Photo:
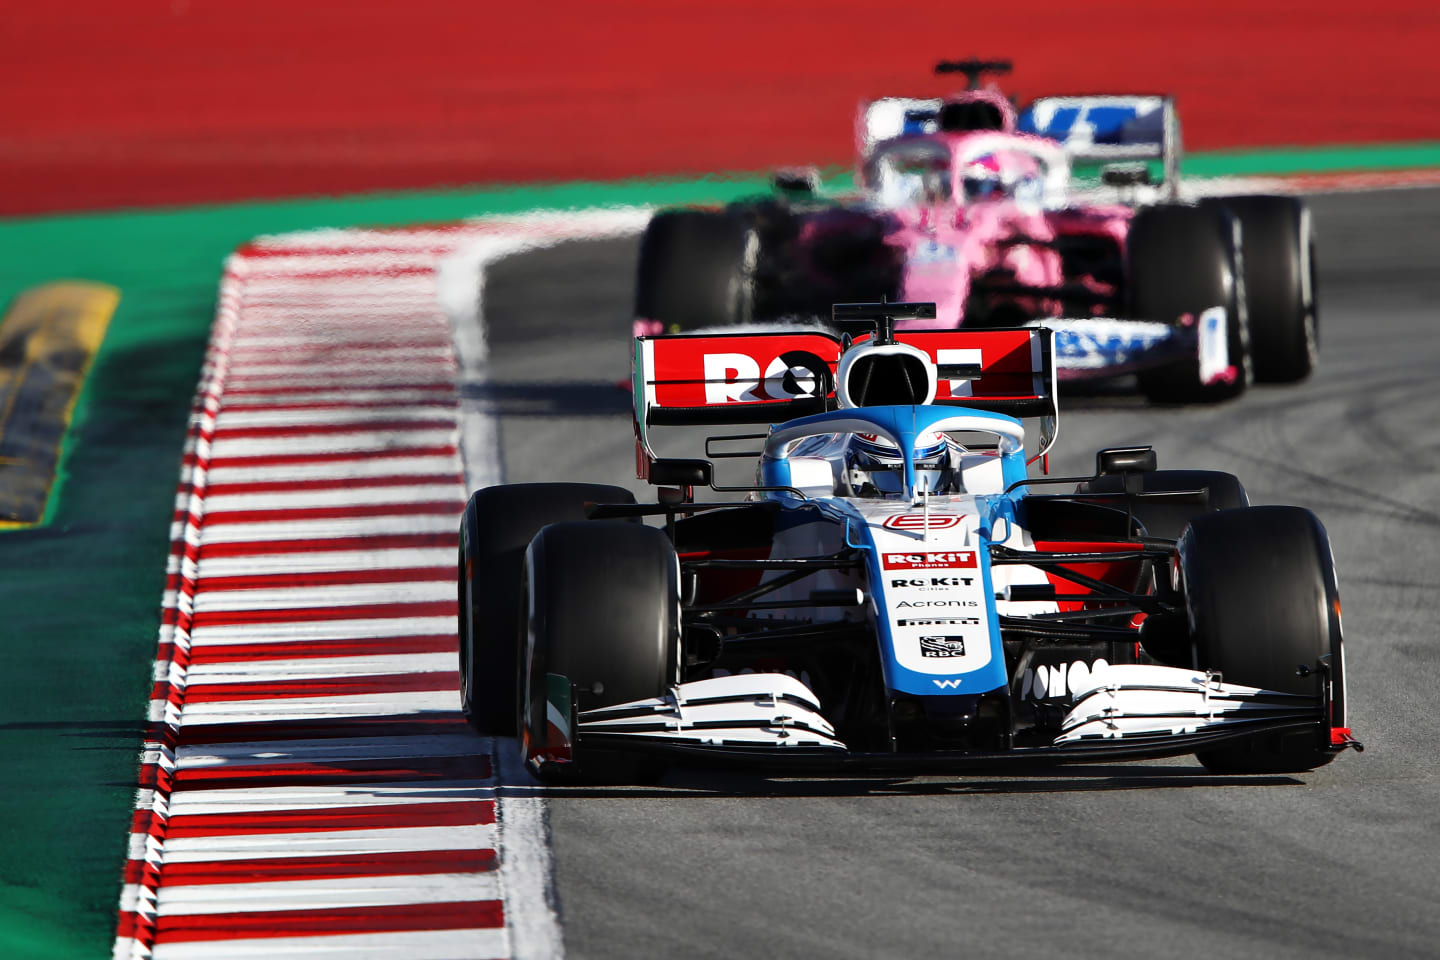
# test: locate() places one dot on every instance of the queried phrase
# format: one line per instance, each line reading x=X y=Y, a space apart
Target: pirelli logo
x=936 y=560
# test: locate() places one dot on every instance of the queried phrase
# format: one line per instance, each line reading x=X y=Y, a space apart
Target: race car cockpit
x=906 y=172
x=870 y=465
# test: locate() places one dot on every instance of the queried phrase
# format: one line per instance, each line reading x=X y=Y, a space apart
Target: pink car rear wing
x=1105 y=128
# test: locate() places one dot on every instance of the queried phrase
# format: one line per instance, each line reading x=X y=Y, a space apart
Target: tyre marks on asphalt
x=308 y=786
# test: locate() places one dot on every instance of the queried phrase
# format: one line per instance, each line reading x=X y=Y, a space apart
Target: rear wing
x=1098 y=129
x=893 y=117
x=769 y=378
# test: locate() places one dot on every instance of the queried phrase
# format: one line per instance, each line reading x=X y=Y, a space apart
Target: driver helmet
x=874 y=466
x=935 y=185
x=982 y=180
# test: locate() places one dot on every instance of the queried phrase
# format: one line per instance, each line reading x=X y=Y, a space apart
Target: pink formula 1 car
x=967 y=204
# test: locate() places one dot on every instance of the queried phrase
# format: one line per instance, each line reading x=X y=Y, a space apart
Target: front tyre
x=1264 y=610
x=602 y=620
x=498 y=525
x=1279 y=259
x=1181 y=262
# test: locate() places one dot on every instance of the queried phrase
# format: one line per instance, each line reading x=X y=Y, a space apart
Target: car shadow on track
x=681 y=781
x=1117 y=393
x=585 y=399
x=699 y=783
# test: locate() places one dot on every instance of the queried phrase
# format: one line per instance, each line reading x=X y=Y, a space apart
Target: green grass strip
x=1283 y=161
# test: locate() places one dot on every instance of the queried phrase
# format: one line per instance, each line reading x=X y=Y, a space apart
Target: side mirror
x=1125 y=460
x=680 y=473
x=796 y=181
x=1125 y=175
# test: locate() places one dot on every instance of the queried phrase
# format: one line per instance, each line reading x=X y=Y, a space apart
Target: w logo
x=947 y=684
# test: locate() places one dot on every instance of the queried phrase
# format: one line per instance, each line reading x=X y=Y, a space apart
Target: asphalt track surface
x=1136 y=860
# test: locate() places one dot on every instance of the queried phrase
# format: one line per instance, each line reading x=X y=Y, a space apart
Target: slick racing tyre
x=697 y=269
x=1278 y=251
x=1183 y=261
x=498 y=525
x=1168 y=518
x=1264 y=611
x=602 y=619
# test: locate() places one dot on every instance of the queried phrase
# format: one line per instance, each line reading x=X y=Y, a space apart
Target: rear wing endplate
x=890 y=117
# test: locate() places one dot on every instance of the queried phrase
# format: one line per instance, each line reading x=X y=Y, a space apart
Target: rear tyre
x=1262 y=601
x=1183 y=261
x=1279 y=284
x=498 y=525
x=697 y=269
x=1169 y=519
x=602 y=611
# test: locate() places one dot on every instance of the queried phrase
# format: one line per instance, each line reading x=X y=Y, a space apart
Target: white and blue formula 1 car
x=894 y=591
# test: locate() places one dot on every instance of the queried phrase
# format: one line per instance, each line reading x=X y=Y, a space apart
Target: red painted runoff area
x=183 y=101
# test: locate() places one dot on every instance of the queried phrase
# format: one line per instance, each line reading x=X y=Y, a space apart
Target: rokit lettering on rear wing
x=768 y=378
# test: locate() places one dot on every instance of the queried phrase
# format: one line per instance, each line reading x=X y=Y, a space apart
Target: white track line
x=327 y=630
x=260 y=752
x=357 y=399
x=229 y=420
x=419 y=465
x=280 y=798
x=338 y=892
x=333 y=497
x=334 y=529
x=287 y=598
x=322 y=707
x=329 y=561
x=327 y=843
x=249 y=671
x=418 y=945
x=358 y=443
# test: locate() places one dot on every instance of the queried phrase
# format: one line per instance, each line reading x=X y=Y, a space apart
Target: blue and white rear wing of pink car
x=1110 y=129
x=1092 y=348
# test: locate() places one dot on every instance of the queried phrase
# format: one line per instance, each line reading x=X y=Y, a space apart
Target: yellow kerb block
x=48 y=339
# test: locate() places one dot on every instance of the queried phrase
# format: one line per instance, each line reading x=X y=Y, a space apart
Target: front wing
x=773 y=720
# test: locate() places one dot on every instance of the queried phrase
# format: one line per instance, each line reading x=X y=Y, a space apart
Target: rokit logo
x=932 y=583
x=735 y=377
x=946 y=646
x=939 y=622
x=920 y=521
x=941 y=560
